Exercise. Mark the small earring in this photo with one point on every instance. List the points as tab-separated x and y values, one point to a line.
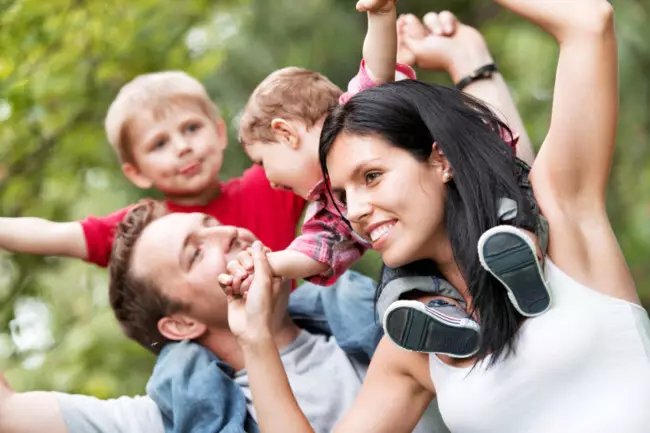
446	176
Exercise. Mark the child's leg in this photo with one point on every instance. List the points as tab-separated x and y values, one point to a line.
514	256
440	326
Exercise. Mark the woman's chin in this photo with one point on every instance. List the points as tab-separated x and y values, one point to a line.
394	259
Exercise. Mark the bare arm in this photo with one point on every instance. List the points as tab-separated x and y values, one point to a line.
295	265
43	237
495	93
29	412
380	45
571	171
576	155
577	152
392	398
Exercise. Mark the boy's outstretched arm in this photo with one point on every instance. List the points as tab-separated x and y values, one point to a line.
29	412
43	237
380	45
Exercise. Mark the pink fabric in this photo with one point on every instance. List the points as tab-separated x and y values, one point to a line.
362	81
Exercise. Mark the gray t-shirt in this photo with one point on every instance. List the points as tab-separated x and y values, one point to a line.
324	380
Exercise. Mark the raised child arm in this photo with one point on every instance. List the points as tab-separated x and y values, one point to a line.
380	45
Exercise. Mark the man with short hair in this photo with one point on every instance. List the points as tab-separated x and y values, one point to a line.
163	290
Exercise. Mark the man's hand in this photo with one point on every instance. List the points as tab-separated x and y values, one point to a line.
376	6
250	316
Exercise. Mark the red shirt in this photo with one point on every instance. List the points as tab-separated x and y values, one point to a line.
247	201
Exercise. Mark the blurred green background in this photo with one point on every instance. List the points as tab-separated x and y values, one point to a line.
62	62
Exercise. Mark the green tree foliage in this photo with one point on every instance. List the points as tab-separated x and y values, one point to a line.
62	62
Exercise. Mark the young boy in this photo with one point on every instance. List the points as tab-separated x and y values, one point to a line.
169	136
280	129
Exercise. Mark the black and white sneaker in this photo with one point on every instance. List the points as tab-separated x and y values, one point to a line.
509	254
437	327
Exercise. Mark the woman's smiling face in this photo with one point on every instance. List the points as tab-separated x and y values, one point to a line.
393	200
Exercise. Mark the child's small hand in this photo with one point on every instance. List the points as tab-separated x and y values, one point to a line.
376	6
240	273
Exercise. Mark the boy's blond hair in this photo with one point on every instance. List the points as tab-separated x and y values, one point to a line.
291	94
153	93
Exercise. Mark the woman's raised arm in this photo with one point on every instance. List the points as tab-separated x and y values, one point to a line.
572	168
576	156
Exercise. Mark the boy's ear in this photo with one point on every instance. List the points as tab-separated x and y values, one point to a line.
133	174
222	133
286	132
180	327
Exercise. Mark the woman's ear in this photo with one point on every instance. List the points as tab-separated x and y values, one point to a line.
439	161
178	327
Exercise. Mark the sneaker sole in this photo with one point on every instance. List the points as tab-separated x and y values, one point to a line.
510	256
409	325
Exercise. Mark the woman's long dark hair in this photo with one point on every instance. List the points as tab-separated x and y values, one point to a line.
412	115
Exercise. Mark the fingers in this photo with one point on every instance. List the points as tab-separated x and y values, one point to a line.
433	23
262	269
245	286
246	235
374	5
413	27
449	22
245	260
362	6
442	24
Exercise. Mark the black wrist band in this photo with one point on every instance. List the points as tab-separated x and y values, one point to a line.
482	73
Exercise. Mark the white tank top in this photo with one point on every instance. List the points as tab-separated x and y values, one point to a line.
582	367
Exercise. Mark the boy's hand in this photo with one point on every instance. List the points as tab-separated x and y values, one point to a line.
376	6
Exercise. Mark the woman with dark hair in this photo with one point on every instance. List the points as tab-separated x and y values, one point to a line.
418	167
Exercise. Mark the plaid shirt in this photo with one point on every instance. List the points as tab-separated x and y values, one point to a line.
327	238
